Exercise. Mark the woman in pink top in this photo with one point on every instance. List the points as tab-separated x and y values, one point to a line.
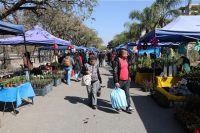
121	75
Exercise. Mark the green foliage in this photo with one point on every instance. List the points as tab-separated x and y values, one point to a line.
82	8
158	14
65	26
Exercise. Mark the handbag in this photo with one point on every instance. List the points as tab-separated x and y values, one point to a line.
86	80
118	98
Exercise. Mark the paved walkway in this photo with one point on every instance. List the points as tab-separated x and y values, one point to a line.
64	110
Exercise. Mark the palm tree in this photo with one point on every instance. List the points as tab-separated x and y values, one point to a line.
145	20
166	9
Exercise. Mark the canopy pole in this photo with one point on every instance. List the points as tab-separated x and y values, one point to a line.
154	67
27	72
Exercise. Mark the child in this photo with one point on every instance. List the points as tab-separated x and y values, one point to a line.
92	68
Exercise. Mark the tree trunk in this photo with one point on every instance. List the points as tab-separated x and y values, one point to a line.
189	7
6	58
12	9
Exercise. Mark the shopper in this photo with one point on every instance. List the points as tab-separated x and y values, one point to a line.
92	68
121	75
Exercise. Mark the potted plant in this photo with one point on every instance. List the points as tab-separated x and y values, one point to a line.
147	85
42	86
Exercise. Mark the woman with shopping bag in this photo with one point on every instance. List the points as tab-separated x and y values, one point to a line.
91	73
121	76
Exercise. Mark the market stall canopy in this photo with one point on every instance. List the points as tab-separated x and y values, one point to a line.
10	29
121	46
166	44
81	48
35	36
51	48
182	29
93	49
131	44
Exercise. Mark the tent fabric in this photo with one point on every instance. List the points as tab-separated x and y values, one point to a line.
10	29
36	35
182	29
93	49
131	44
163	44
51	48
81	48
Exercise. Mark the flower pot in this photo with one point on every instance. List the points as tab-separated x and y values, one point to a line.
43	90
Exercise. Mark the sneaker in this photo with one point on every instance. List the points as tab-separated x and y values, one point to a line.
129	110
94	107
118	110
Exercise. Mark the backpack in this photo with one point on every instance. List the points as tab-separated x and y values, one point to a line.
67	61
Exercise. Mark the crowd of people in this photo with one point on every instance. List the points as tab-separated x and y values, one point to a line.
88	63
80	63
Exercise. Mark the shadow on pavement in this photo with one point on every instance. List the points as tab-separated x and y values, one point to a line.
110	83
76	100
103	105
155	118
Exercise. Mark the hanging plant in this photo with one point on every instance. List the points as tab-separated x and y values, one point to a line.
154	41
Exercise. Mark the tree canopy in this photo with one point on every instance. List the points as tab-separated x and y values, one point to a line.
160	13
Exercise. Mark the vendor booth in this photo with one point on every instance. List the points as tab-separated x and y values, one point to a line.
14	94
10	29
183	29
34	36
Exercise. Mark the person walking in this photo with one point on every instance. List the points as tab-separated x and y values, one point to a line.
100	56
92	68
77	66
68	63
121	76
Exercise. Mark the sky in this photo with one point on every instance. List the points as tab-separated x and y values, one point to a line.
110	16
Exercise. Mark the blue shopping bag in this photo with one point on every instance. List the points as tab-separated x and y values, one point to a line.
118	98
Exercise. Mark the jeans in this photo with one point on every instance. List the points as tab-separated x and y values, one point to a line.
68	71
125	85
77	75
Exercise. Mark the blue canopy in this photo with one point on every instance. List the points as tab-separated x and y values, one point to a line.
81	48
182	29
8	28
51	48
93	49
121	46
36	36
131	44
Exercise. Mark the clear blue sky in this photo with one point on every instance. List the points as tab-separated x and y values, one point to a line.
111	15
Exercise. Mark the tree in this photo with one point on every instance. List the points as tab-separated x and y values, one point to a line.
81	7
166	9
65	26
119	39
146	19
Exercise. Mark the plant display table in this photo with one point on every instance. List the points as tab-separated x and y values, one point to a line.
166	81
15	94
140	77
162	95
